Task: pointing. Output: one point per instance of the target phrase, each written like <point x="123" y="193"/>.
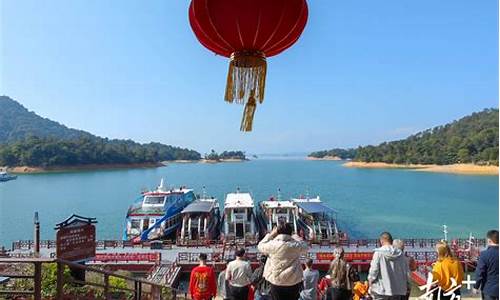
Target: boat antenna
<point x="445" y="232"/>
<point x="161" y="186"/>
<point x="279" y="194"/>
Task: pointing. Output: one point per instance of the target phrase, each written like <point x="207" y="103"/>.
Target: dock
<point x="165" y="261"/>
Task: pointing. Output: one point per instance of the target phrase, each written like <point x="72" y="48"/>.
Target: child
<point x="360" y="290"/>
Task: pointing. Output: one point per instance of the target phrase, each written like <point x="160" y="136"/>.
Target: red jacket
<point x="202" y="285"/>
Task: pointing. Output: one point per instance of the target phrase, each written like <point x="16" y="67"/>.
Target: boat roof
<point x="167" y="192"/>
<point x="306" y="199"/>
<point x="162" y="190"/>
<point x="277" y="204"/>
<point x="315" y="207"/>
<point x="202" y="205"/>
<point x="238" y="200"/>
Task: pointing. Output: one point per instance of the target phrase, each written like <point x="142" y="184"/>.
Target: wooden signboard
<point x="75" y="239"/>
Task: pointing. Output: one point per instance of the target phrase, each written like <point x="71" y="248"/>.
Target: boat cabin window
<point x="189" y="196"/>
<point x="135" y="224"/>
<point x="281" y="210"/>
<point x="154" y="200"/>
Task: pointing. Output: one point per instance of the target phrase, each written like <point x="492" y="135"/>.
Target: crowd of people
<point x="282" y="276"/>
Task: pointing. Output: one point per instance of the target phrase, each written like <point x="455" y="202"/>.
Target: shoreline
<point x="224" y="160"/>
<point x="461" y="169"/>
<point x="334" y="158"/>
<point x="95" y="167"/>
<point x="89" y="167"/>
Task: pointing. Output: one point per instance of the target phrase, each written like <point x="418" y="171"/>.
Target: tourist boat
<point x="4" y="176"/>
<point x="157" y="214"/>
<point x="239" y="220"/>
<point x="316" y="221"/>
<point x="200" y="220"/>
<point x="273" y="212"/>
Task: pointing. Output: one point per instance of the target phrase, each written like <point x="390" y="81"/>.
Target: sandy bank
<point x="465" y="169"/>
<point x="212" y="161"/>
<point x="31" y="170"/>
<point x="324" y="158"/>
<point x="180" y="161"/>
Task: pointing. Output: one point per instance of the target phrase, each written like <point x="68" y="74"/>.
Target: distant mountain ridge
<point x="27" y="139"/>
<point x="471" y="139"/>
<point x="17" y="123"/>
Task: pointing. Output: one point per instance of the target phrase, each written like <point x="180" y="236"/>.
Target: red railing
<point x="356" y="243"/>
<point x="128" y="257"/>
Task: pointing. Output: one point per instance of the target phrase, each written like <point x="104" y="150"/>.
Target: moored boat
<point x="4" y="176"/>
<point x="239" y="220"/>
<point x="317" y="221"/>
<point x="200" y="220"/>
<point x="157" y="214"/>
<point x="273" y="212"/>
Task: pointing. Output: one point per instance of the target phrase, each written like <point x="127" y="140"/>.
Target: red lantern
<point x="248" y="32"/>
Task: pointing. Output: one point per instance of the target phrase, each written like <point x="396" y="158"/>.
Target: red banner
<point x="127" y="257"/>
<point x="328" y="256"/>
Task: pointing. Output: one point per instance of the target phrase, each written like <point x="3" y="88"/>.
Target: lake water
<point x="404" y="202"/>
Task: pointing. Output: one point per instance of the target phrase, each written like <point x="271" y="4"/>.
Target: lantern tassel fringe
<point x="246" y="77"/>
<point x="248" y="113"/>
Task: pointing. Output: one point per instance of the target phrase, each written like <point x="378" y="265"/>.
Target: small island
<point x="465" y="146"/>
<point x="226" y="156"/>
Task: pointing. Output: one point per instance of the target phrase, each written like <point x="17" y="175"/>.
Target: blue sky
<point x="363" y="72"/>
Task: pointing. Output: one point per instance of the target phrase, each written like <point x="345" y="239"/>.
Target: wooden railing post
<point x="60" y="281"/>
<point x="155" y="292"/>
<point x="106" y="287"/>
<point x="38" y="281"/>
<point x="139" y="288"/>
<point x="137" y="296"/>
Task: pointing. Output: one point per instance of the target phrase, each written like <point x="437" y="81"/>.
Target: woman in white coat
<point x="283" y="268"/>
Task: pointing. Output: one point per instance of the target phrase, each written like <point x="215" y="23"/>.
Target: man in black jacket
<point x="487" y="268"/>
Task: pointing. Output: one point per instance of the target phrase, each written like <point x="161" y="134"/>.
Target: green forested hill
<point x="17" y="123"/>
<point x="27" y="139"/>
<point x="226" y="155"/>
<point x="472" y="139"/>
<point x="336" y="152"/>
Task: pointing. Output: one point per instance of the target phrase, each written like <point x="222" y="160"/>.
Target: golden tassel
<point x="247" y="120"/>
<point x="246" y="80"/>
<point x="246" y="76"/>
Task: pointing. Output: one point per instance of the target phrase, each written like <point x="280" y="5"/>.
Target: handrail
<point x="155" y="291"/>
<point x="110" y="273"/>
